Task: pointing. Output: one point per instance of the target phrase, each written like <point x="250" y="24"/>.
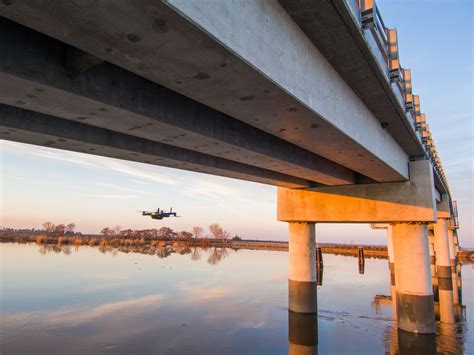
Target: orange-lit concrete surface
<point x="443" y="271"/>
<point x="409" y="201"/>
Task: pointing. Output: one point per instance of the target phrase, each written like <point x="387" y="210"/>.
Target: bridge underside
<point x="153" y="74"/>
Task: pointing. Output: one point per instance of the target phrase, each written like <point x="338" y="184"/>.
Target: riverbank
<point x="144" y="244"/>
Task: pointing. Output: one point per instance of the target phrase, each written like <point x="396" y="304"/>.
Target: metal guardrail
<point x="384" y="45"/>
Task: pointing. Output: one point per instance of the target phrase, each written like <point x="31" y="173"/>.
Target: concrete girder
<point x="331" y="27"/>
<point x="398" y="202"/>
<point x="273" y="87"/>
<point x="33" y="76"/>
<point x="36" y="128"/>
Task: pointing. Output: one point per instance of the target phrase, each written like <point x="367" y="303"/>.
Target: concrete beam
<point x="247" y="59"/>
<point x="330" y="25"/>
<point x="32" y="76"/>
<point x="411" y="201"/>
<point x="78" y="61"/>
<point x="35" y="128"/>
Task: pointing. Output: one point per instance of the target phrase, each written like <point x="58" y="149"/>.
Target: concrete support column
<point x="391" y="266"/>
<point x="302" y="268"/>
<point x="434" y="278"/>
<point x="415" y="304"/>
<point x="453" y="261"/>
<point x="443" y="270"/>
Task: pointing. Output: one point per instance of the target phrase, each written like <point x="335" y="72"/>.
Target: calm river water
<point x="83" y="300"/>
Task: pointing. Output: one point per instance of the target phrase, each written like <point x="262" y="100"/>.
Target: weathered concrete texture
<point x="246" y="59"/>
<point x="117" y="100"/>
<point x="416" y="313"/>
<point x="302" y="333"/>
<point x="411" y="201"/>
<point x="36" y="128"/>
<point x="302" y="297"/>
<point x="415" y="302"/>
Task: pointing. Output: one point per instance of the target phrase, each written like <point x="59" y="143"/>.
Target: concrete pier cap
<point x="397" y="202"/>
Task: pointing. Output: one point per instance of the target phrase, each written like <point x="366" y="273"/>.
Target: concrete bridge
<point x="306" y="95"/>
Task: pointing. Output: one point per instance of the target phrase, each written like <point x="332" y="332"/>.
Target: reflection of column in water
<point x="361" y="261"/>
<point x="450" y="339"/>
<point x="416" y="344"/>
<point x="302" y="333"/>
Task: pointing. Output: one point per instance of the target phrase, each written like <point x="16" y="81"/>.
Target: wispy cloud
<point x="137" y="170"/>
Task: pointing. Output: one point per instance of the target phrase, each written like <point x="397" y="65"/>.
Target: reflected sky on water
<point x="215" y="301"/>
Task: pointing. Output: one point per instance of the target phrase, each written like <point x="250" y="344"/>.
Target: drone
<point x="159" y="214"/>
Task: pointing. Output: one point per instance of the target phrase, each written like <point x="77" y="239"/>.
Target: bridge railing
<point x="383" y="43"/>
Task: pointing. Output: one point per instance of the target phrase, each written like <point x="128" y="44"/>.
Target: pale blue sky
<point x="435" y="41"/>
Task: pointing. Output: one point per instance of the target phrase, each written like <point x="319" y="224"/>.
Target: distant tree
<point x="198" y="231"/>
<point x="165" y="232"/>
<point x="59" y="229"/>
<point x="236" y="237"/>
<point x="117" y="230"/>
<point x="126" y="233"/>
<point x="48" y="227"/>
<point x="106" y="231"/>
<point x="70" y="227"/>
<point x="218" y="232"/>
<point x="185" y="235"/>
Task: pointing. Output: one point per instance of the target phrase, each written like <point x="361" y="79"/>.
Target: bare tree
<point x="197" y="231"/>
<point x="184" y="235"/>
<point x="106" y="231"/>
<point x="48" y="227"/>
<point x="117" y="230"/>
<point x="218" y="232"/>
<point x="165" y="232"/>
<point x="70" y="227"/>
<point x="59" y="229"/>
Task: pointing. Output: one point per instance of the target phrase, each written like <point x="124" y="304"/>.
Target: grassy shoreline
<point x="145" y="244"/>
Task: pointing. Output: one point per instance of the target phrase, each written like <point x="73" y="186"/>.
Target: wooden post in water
<point x="319" y="258"/>
<point x="319" y="266"/>
<point x="361" y="261"/>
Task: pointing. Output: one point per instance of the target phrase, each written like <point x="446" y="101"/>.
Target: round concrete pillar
<point x="443" y="271"/>
<point x="302" y="268"/>
<point x="434" y="278"/>
<point x="415" y="303"/>
<point x="453" y="262"/>
<point x="391" y="266"/>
